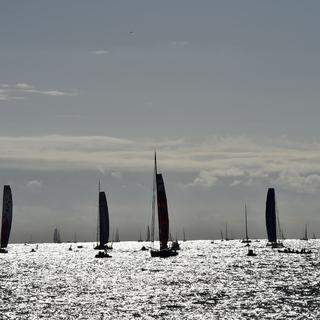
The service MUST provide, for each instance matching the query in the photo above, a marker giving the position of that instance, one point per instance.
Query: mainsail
(271, 221)
(6, 216)
(103, 219)
(163, 218)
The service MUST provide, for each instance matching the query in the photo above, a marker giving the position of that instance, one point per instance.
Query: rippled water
(205, 281)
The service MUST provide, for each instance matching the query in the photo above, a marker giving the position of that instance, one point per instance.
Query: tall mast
(245, 212)
(154, 197)
(227, 232)
(98, 215)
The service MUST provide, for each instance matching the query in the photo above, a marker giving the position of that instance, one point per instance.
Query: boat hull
(100, 247)
(163, 253)
(102, 254)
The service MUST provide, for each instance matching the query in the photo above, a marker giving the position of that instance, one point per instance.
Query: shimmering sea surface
(205, 281)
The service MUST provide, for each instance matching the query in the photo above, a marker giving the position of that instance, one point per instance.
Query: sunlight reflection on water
(205, 281)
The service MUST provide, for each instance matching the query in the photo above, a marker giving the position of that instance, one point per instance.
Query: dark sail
(163, 218)
(271, 216)
(103, 219)
(6, 216)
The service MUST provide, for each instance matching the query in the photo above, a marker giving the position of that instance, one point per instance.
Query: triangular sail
(103, 219)
(163, 218)
(6, 216)
(271, 221)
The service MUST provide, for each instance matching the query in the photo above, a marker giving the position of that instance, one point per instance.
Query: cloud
(230, 161)
(179, 43)
(100, 52)
(23, 86)
(21, 90)
(34, 185)
(116, 174)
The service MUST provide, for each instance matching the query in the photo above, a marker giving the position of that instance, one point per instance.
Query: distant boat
(6, 218)
(56, 236)
(305, 236)
(221, 234)
(159, 192)
(103, 223)
(246, 239)
(148, 234)
(117, 238)
(271, 219)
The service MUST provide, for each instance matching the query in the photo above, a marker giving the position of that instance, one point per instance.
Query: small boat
(159, 192)
(246, 239)
(251, 253)
(56, 236)
(148, 234)
(175, 245)
(70, 248)
(289, 250)
(103, 223)
(117, 237)
(143, 248)
(33, 250)
(80, 246)
(6, 218)
(305, 236)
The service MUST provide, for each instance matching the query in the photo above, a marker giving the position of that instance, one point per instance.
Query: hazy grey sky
(227, 91)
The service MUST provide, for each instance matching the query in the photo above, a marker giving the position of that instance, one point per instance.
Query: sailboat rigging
(56, 236)
(159, 193)
(305, 236)
(6, 218)
(246, 240)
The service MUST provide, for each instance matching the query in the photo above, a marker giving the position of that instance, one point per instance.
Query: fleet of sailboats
(6, 218)
(56, 236)
(159, 202)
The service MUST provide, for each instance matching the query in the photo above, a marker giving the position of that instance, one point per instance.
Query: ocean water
(205, 281)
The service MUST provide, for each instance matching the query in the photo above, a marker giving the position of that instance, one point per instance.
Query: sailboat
(305, 236)
(6, 218)
(271, 220)
(184, 236)
(246, 240)
(227, 238)
(103, 223)
(159, 192)
(148, 234)
(56, 236)
(140, 238)
(117, 238)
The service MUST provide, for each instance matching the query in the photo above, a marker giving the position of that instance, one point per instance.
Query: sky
(227, 92)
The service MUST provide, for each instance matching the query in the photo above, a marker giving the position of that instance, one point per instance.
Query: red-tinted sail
(6, 216)
(163, 218)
